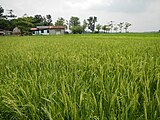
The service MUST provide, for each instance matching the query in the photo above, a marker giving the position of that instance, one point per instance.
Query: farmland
(80, 77)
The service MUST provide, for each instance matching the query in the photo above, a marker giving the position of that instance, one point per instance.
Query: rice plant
(80, 77)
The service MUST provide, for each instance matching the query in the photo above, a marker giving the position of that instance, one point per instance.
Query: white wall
(40, 32)
(51, 32)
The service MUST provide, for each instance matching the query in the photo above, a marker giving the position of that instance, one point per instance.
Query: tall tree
(98, 27)
(38, 19)
(84, 25)
(60, 22)
(10, 14)
(74, 25)
(5, 23)
(45, 23)
(111, 26)
(120, 25)
(24, 24)
(115, 29)
(91, 23)
(126, 25)
(1, 11)
(49, 19)
(74, 21)
(104, 28)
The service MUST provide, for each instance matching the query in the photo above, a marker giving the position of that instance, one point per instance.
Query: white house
(48, 30)
(5, 32)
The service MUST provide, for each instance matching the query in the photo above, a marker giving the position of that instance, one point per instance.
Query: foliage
(74, 25)
(24, 24)
(84, 25)
(74, 21)
(7, 24)
(49, 19)
(39, 20)
(104, 28)
(1, 11)
(77, 29)
(80, 77)
(98, 27)
(60, 22)
(126, 25)
(111, 26)
(10, 14)
(91, 23)
(120, 25)
(108, 28)
(115, 28)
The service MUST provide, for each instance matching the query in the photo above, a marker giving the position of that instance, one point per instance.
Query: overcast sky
(144, 15)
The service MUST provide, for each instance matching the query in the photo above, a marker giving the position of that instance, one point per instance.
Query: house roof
(34, 29)
(1, 32)
(47, 27)
(56, 27)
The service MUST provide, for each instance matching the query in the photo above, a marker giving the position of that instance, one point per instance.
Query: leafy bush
(77, 29)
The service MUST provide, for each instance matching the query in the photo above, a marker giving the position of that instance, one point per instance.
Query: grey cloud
(143, 14)
(124, 6)
(129, 6)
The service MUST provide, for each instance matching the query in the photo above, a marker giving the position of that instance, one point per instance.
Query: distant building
(16, 31)
(48, 30)
(5, 32)
(2, 32)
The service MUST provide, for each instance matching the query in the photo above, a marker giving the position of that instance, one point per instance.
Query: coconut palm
(126, 25)
(115, 29)
(91, 23)
(120, 25)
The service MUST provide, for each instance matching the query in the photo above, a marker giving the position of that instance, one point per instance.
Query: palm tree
(84, 25)
(115, 29)
(1, 11)
(111, 25)
(126, 25)
(120, 25)
(49, 19)
(91, 23)
(10, 12)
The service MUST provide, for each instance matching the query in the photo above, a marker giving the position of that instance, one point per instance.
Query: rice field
(80, 77)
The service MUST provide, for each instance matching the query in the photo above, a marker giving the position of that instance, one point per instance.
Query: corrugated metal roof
(56, 27)
(34, 29)
(47, 27)
(1, 32)
(42, 27)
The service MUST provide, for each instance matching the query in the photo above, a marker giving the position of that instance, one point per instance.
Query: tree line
(24, 23)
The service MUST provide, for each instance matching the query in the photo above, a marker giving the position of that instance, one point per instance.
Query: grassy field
(80, 77)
